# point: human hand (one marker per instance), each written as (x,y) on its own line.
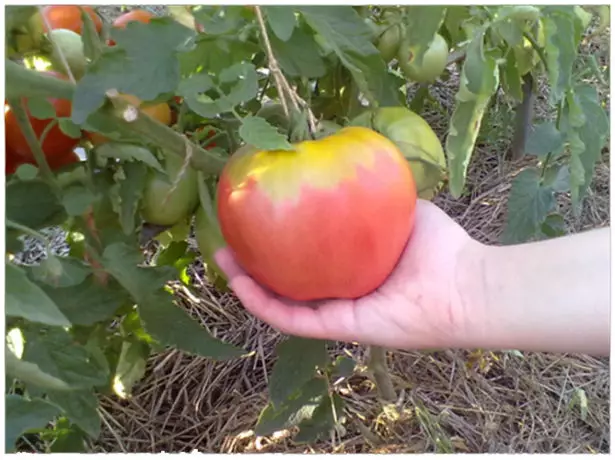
(419,306)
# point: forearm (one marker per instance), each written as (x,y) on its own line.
(545,296)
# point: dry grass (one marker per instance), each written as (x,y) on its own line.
(461,401)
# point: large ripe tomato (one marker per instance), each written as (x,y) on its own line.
(432,66)
(69,17)
(11,162)
(328,220)
(417,141)
(160,111)
(56,143)
(180,204)
(71,46)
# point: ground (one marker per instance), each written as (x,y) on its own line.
(461,401)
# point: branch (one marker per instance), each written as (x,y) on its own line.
(377,363)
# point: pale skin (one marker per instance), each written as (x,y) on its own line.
(450,291)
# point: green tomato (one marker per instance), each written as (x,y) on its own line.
(180,203)
(417,141)
(388,43)
(26,38)
(434,61)
(70,44)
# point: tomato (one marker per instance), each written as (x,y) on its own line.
(71,45)
(328,220)
(131,16)
(56,143)
(389,41)
(12,161)
(180,204)
(64,160)
(160,111)
(69,17)
(434,61)
(417,141)
(25,38)
(209,135)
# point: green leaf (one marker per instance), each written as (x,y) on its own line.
(77,199)
(343,367)
(89,302)
(172,253)
(25,299)
(579,398)
(131,366)
(544,138)
(553,226)
(529,203)
(214,54)
(557,177)
(26,172)
(60,271)
(453,22)
(323,420)
(129,152)
(67,438)
(131,191)
(218,20)
(31,374)
(143,63)
(208,98)
(282,21)
(560,49)
(511,78)
(41,108)
(301,406)
(69,128)
(299,55)
(57,354)
(349,36)
(33,204)
(171,326)
(422,24)
(297,361)
(257,132)
(80,407)
(586,141)
(23,415)
(92,45)
(479,81)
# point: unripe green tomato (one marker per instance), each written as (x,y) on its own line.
(389,41)
(434,61)
(27,38)
(179,204)
(71,46)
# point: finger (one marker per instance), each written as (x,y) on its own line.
(225,259)
(333,320)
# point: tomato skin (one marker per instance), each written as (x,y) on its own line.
(69,17)
(56,143)
(180,204)
(389,42)
(11,162)
(434,61)
(329,220)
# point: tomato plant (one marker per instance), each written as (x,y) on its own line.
(284,132)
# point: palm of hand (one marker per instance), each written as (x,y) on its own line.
(416,307)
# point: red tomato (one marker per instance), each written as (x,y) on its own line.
(56,143)
(69,17)
(329,220)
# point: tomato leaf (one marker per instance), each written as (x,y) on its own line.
(544,138)
(553,226)
(88,302)
(25,299)
(343,367)
(297,361)
(27,172)
(422,24)
(33,204)
(282,21)
(529,203)
(218,20)
(561,49)
(80,407)
(216,54)
(31,374)
(511,78)
(322,421)
(41,108)
(58,271)
(68,438)
(557,177)
(172,253)
(143,63)
(453,21)
(301,406)
(24,415)
(69,128)
(131,366)
(77,199)
(131,191)
(257,132)
(92,45)
(299,55)
(57,354)
(350,38)
(129,152)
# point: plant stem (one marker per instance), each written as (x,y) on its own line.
(377,364)
(57,48)
(17,106)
